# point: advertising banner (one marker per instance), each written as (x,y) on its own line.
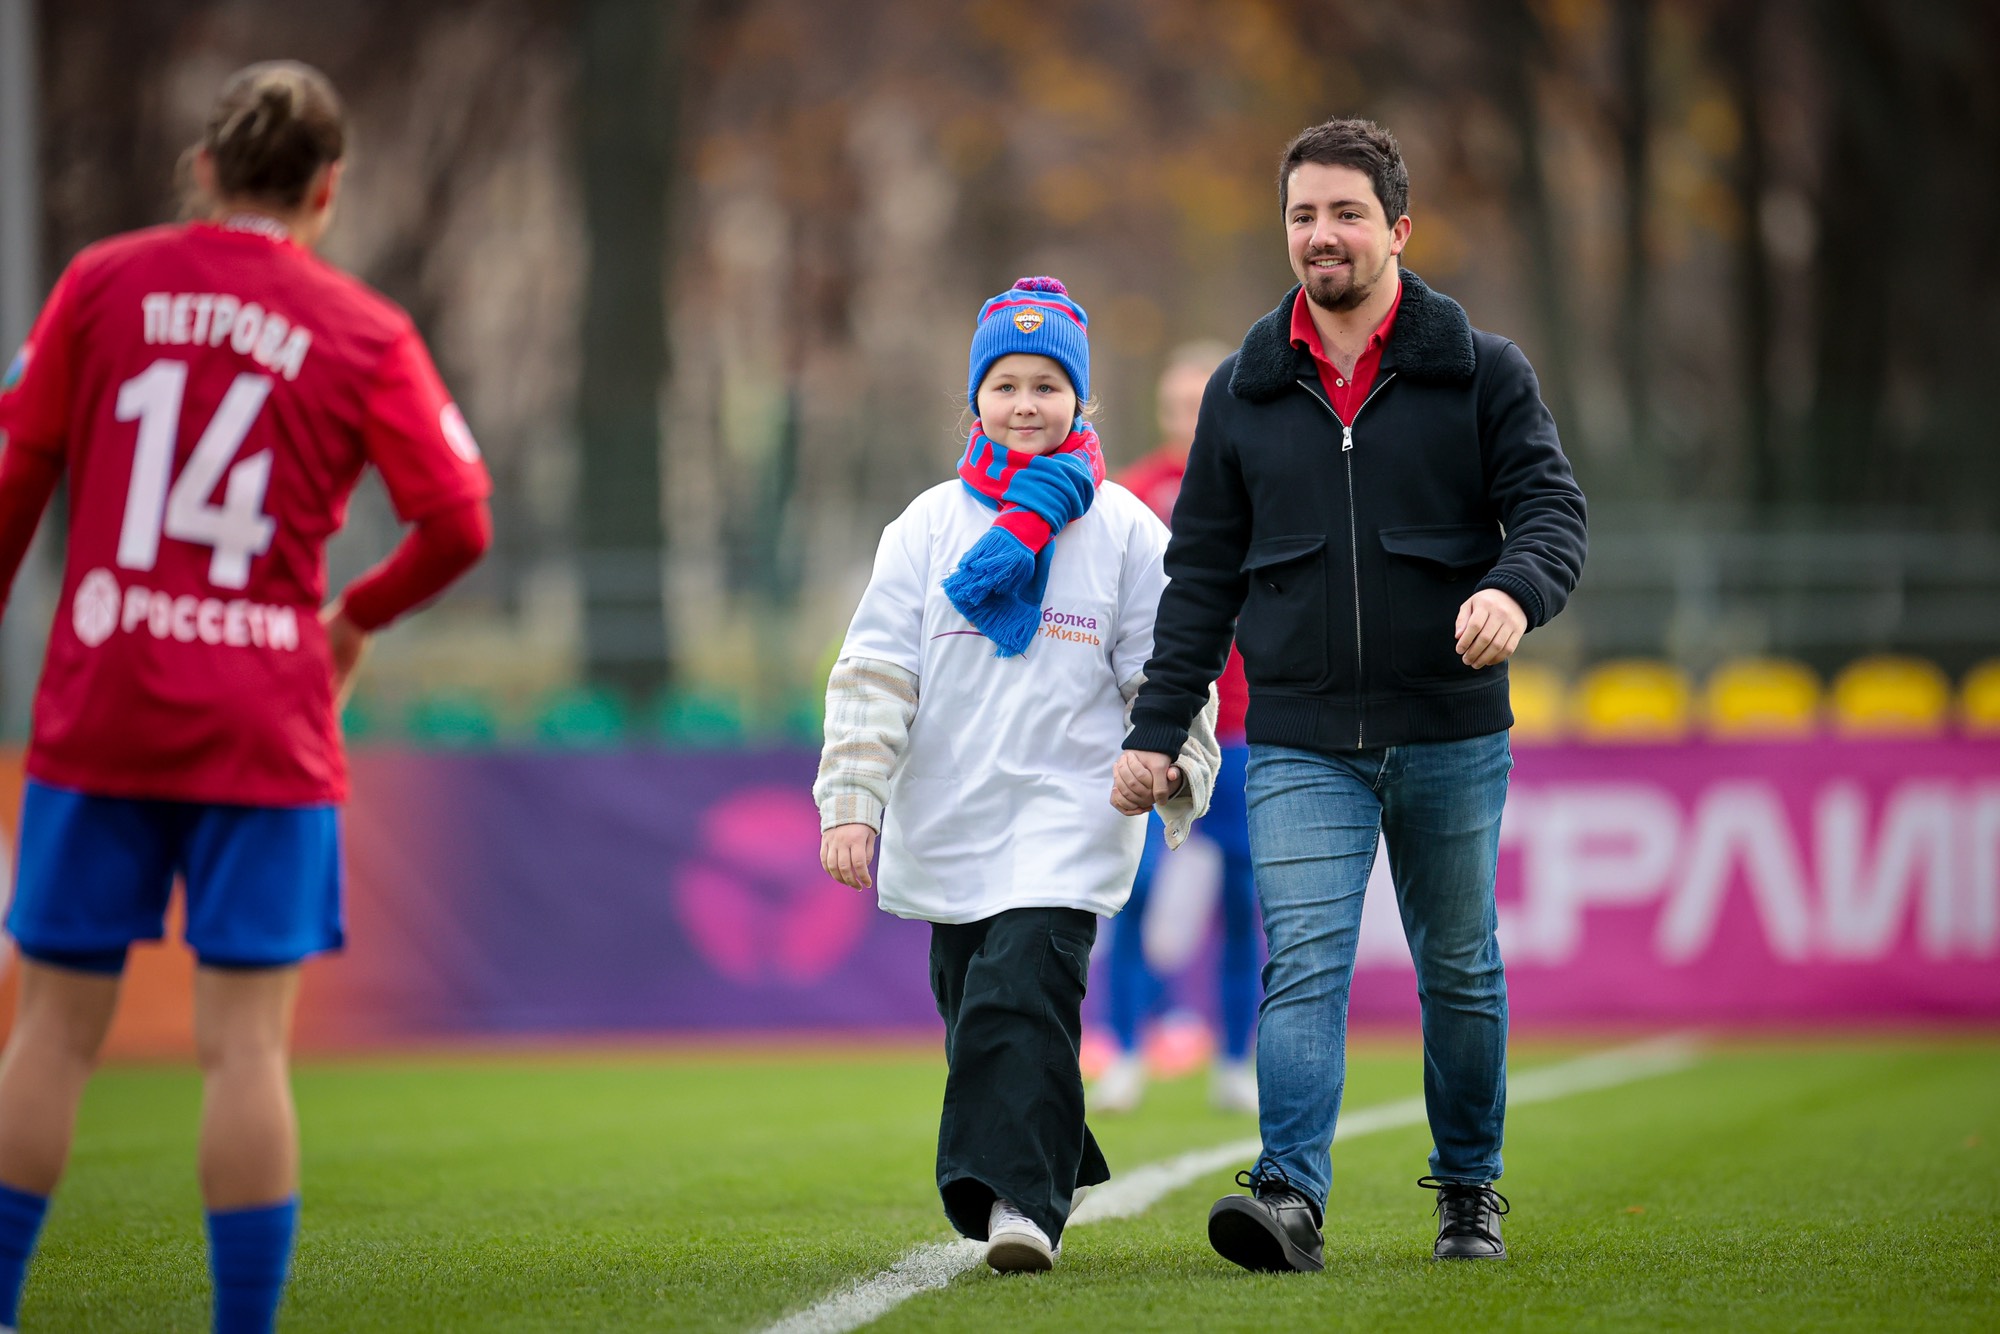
(1698,883)
(533,896)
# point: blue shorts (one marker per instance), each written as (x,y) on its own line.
(263,882)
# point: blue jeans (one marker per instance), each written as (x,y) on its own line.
(1314,821)
(1135,994)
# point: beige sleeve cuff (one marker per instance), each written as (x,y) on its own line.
(1200,760)
(869,708)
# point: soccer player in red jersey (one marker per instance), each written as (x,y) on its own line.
(1136,993)
(213,392)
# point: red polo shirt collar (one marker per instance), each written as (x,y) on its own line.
(1346,393)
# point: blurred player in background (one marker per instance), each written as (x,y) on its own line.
(1137,994)
(213,393)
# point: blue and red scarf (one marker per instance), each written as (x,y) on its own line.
(999,582)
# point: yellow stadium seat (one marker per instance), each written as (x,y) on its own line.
(1634,700)
(1539,704)
(1888,695)
(1979,699)
(1760,698)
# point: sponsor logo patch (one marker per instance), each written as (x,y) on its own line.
(94,612)
(457,434)
(101,609)
(15,370)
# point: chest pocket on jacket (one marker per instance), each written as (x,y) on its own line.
(1282,630)
(1432,571)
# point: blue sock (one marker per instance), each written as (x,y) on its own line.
(249,1251)
(21,1217)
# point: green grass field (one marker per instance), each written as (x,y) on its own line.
(1812,1185)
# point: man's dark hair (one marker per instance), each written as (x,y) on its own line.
(1360,144)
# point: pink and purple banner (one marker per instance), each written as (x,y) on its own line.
(532,895)
(1719,883)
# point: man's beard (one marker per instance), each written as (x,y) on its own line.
(1321,291)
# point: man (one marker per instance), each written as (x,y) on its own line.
(1377,502)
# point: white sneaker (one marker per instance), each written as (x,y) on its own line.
(1232,1087)
(1121,1085)
(1075,1202)
(1014,1245)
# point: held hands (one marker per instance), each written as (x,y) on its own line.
(845,851)
(1142,779)
(1490,626)
(346,643)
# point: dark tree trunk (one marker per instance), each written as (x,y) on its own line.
(627,108)
(1634,20)
(1514,39)
(108,163)
(1740,41)
(1848,391)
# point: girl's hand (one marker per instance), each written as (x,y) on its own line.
(1142,779)
(845,851)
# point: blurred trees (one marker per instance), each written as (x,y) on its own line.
(1746,243)
(460,202)
(630,67)
(1907,274)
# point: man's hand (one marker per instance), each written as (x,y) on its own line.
(346,643)
(845,851)
(1142,779)
(1490,626)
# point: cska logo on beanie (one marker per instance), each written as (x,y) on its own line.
(1028,319)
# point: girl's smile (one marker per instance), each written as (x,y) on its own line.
(1026,403)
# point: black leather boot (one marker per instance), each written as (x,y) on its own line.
(1468,1220)
(1276,1232)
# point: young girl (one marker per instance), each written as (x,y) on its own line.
(979,704)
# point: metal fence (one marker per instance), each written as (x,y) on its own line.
(1699,591)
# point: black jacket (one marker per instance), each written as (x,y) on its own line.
(1341,556)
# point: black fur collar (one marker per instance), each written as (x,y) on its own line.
(1431,341)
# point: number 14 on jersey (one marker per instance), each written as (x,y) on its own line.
(237,529)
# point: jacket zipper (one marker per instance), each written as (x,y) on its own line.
(1353,537)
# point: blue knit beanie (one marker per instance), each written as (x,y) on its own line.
(1034,315)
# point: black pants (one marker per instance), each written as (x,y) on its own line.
(1010,989)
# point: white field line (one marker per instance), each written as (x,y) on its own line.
(936,1264)
(929,1266)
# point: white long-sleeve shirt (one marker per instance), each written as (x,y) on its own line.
(996,772)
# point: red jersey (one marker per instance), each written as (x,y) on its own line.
(1156,479)
(214,392)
